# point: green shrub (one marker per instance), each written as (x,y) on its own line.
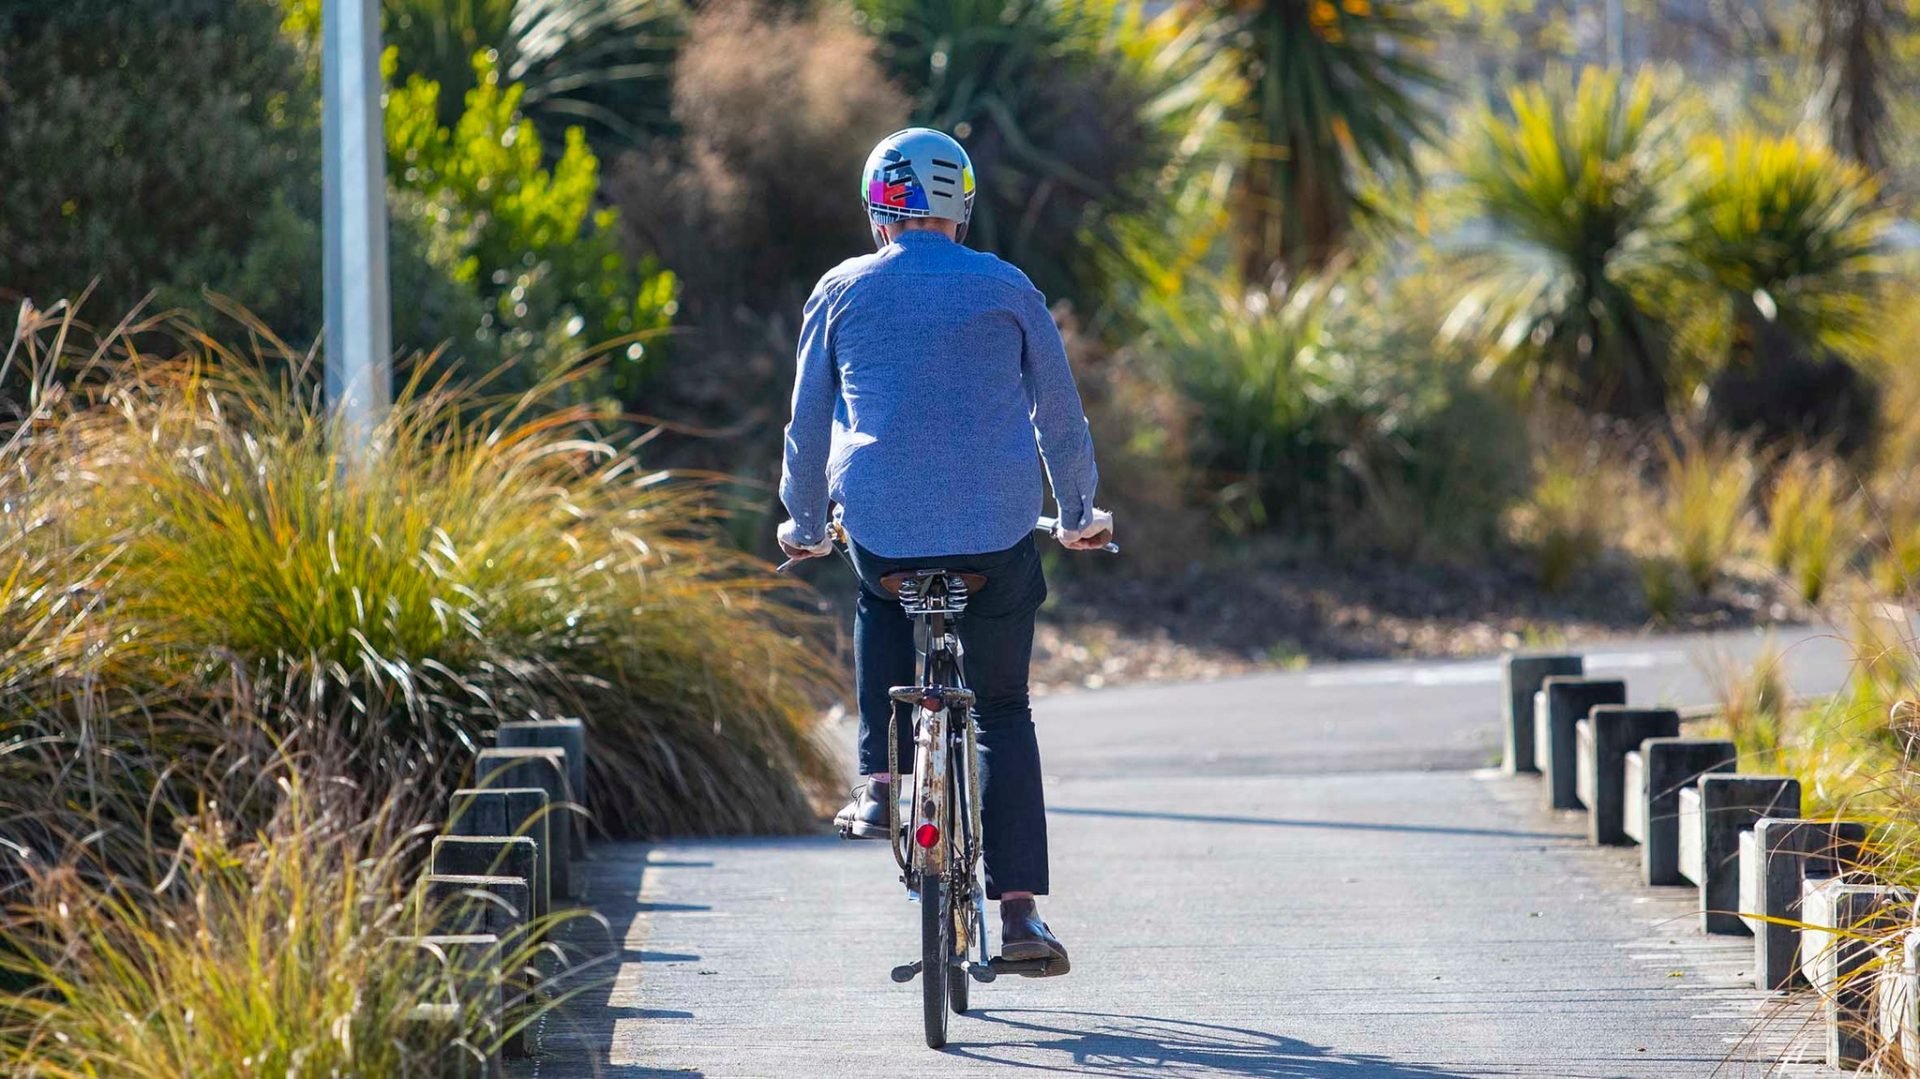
(761,96)
(1315,414)
(167,145)
(605,66)
(1054,116)
(1570,201)
(527,239)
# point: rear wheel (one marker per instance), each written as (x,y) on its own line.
(936,950)
(960,902)
(957,991)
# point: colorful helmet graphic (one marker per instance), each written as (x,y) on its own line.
(918,172)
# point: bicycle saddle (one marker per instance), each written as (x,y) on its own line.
(891,582)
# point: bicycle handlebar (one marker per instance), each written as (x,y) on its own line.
(1049,525)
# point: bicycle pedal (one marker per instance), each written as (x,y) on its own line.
(906,971)
(1026,968)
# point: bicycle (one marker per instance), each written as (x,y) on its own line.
(938,849)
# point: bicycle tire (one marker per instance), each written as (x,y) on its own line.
(961,905)
(936,950)
(957,987)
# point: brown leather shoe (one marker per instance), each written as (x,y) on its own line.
(1024,937)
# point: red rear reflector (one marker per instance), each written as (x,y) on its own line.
(926,835)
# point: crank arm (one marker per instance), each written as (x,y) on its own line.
(907,971)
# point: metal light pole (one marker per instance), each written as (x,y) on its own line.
(359,331)
(1616,34)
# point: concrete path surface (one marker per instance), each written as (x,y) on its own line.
(1312,874)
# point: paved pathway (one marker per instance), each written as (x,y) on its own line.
(1308,875)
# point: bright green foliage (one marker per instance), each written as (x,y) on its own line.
(605,66)
(1317,416)
(527,238)
(1572,189)
(1787,224)
(1334,93)
(1060,129)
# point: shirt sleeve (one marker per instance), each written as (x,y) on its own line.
(803,472)
(1059,421)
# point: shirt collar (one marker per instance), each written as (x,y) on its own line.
(920,236)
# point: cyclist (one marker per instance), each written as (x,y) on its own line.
(932,388)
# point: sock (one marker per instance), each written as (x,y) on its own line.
(882,778)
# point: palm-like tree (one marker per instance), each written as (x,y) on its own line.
(1855,49)
(1572,225)
(1335,90)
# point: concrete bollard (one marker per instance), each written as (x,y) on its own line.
(1566,702)
(569,736)
(1602,742)
(1523,677)
(1713,813)
(502,769)
(1653,778)
(463,972)
(1897,1007)
(466,904)
(509,811)
(1837,945)
(1776,858)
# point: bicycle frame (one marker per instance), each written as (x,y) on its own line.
(946,767)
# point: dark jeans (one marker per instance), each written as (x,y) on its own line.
(996,637)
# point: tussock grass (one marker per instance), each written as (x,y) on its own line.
(1705,504)
(1813,521)
(238,680)
(1561,520)
(497,559)
(256,953)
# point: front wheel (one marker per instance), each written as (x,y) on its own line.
(936,951)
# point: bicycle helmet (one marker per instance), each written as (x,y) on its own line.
(918,172)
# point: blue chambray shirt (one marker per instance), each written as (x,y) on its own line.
(932,390)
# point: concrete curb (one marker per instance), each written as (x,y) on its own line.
(1652,780)
(1564,702)
(509,811)
(569,736)
(1776,859)
(464,967)
(503,769)
(1798,886)
(1714,812)
(1841,919)
(1523,677)
(1603,740)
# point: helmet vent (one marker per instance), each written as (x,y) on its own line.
(946,164)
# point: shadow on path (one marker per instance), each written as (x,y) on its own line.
(1095,1043)
(1335,825)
